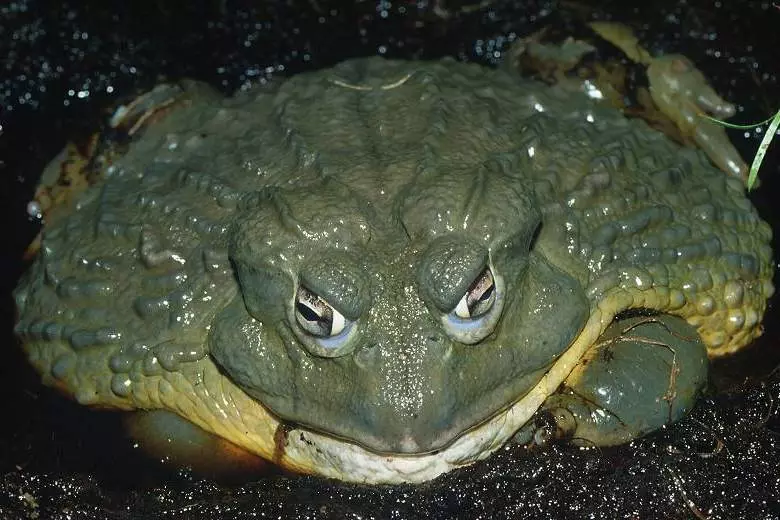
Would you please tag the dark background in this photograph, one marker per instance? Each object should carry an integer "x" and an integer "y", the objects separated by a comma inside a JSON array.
[{"x": 63, "y": 66}]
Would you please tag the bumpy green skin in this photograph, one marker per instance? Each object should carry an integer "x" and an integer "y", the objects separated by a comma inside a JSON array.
[{"x": 385, "y": 187}]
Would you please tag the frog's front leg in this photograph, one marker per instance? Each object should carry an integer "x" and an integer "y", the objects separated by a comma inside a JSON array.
[{"x": 643, "y": 373}]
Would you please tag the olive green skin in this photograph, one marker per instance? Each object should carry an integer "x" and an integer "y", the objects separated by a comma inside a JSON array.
[{"x": 386, "y": 188}]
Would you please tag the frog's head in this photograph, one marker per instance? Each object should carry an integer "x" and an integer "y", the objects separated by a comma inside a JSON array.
[{"x": 398, "y": 323}]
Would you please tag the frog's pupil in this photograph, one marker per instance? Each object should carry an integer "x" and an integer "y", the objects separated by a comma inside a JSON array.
[
  {"x": 307, "y": 312},
  {"x": 478, "y": 305},
  {"x": 487, "y": 293}
]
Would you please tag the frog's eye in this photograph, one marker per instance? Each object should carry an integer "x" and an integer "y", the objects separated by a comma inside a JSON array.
[
  {"x": 316, "y": 316},
  {"x": 478, "y": 311},
  {"x": 479, "y": 298}
]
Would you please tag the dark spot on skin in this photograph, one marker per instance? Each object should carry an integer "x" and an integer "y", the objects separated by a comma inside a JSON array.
[
  {"x": 606, "y": 355},
  {"x": 304, "y": 439},
  {"x": 280, "y": 441}
]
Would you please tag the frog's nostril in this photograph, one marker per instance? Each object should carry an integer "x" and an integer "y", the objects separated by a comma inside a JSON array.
[{"x": 365, "y": 355}]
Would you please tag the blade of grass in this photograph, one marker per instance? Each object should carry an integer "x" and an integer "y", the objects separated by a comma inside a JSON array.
[
  {"x": 737, "y": 127},
  {"x": 762, "y": 148}
]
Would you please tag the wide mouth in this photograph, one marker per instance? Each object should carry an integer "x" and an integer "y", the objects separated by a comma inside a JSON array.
[{"x": 412, "y": 439}]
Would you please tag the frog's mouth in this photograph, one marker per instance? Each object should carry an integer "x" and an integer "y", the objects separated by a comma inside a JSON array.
[
  {"x": 383, "y": 431},
  {"x": 405, "y": 440}
]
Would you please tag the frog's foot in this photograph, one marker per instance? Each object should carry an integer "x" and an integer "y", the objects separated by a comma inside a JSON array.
[
  {"x": 682, "y": 93},
  {"x": 643, "y": 373}
]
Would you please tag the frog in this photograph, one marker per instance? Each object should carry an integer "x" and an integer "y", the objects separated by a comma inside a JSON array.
[{"x": 386, "y": 270}]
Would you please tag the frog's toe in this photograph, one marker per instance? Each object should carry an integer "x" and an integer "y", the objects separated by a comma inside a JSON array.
[{"x": 643, "y": 373}]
